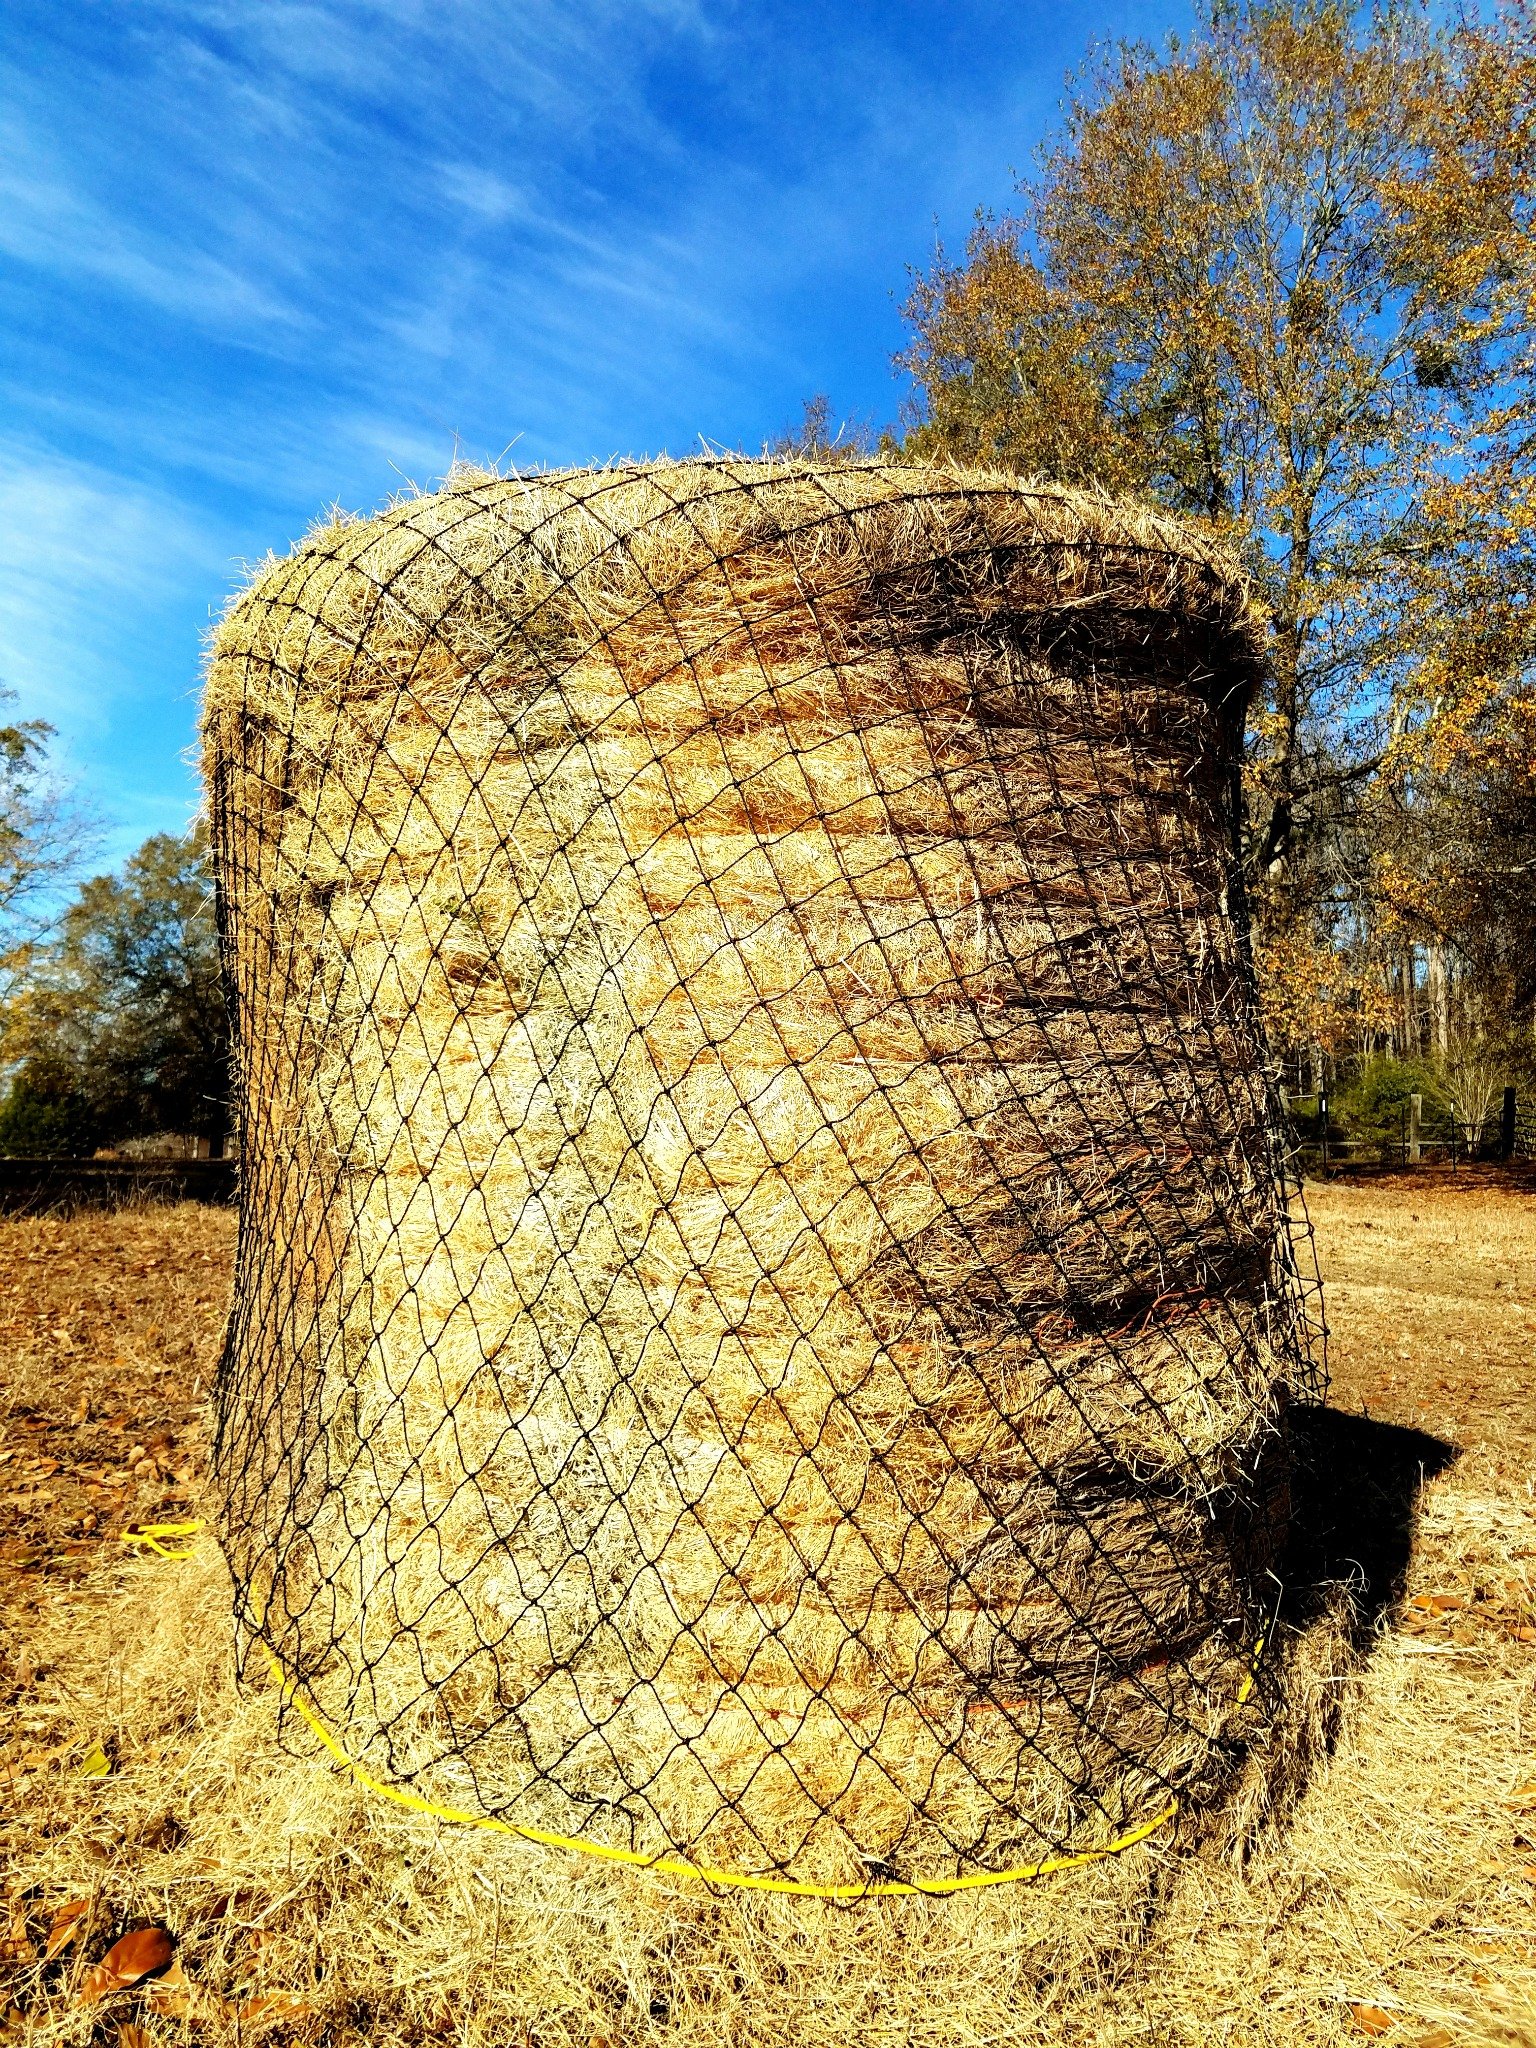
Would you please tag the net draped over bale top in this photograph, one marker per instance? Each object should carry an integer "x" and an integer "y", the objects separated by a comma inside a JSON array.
[{"x": 766, "y": 1295}]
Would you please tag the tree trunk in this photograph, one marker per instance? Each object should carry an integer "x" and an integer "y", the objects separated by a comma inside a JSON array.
[
  {"x": 1410, "y": 1019},
  {"x": 1438, "y": 989},
  {"x": 1272, "y": 854}
]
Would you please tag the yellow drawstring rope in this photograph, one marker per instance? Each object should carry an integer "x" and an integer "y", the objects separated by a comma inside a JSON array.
[{"x": 151, "y": 1537}]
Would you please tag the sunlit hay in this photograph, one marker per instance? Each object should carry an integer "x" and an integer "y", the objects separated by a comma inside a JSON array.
[
  {"x": 765, "y": 1305},
  {"x": 1394, "y": 1885},
  {"x": 287, "y": 1882}
]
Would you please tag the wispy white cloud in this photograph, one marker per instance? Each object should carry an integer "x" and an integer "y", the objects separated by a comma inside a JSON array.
[
  {"x": 46, "y": 220},
  {"x": 79, "y": 548},
  {"x": 482, "y": 193},
  {"x": 259, "y": 258},
  {"x": 95, "y": 635}
]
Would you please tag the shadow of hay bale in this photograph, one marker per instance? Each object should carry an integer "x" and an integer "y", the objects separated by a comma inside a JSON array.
[
  {"x": 1357, "y": 1488},
  {"x": 1355, "y": 1492}
]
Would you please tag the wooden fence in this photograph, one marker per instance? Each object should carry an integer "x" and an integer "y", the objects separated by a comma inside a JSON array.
[
  {"x": 61, "y": 1186},
  {"x": 1417, "y": 1140}
]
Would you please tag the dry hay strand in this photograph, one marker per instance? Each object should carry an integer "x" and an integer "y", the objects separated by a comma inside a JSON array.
[
  {"x": 1394, "y": 1889},
  {"x": 765, "y": 1302}
]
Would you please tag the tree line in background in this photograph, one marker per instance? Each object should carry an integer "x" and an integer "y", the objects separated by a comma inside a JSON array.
[
  {"x": 1280, "y": 277},
  {"x": 112, "y": 1019}
]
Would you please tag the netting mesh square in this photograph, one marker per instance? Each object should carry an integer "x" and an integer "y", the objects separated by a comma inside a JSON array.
[{"x": 767, "y": 1286}]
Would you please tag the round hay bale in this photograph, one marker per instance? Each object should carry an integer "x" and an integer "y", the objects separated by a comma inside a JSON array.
[{"x": 765, "y": 1302}]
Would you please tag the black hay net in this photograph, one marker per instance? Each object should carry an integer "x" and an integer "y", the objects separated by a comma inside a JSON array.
[{"x": 768, "y": 1279}]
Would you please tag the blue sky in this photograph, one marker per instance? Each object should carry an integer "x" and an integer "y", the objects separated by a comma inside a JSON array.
[{"x": 261, "y": 256}]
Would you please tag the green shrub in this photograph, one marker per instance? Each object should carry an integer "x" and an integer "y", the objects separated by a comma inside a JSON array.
[
  {"x": 44, "y": 1115},
  {"x": 1375, "y": 1102}
]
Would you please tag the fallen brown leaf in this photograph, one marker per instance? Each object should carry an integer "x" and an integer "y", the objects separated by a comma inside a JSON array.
[
  {"x": 172, "y": 1993},
  {"x": 269, "y": 2007},
  {"x": 127, "y": 1962},
  {"x": 227, "y": 1905},
  {"x": 65, "y": 1926},
  {"x": 1370, "y": 2019}
]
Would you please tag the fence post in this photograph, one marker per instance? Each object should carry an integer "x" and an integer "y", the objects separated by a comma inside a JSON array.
[
  {"x": 1322, "y": 1125},
  {"x": 1415, "y": 1121},
  {"x": 1507, "y": 1125}
]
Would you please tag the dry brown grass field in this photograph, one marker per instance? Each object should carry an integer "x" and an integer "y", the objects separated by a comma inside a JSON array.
[{"x": 139, "y": 1790}]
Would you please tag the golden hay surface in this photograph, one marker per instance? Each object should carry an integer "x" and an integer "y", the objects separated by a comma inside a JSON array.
[
  {"x": 1399, "y": 1904},
  {"x": 764, "y": 1319}
]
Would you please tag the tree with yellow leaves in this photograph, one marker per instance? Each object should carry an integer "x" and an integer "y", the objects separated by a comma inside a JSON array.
[
  {"x": 1238, "y": 282},
  {"x": 1456, "y": 802}
]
